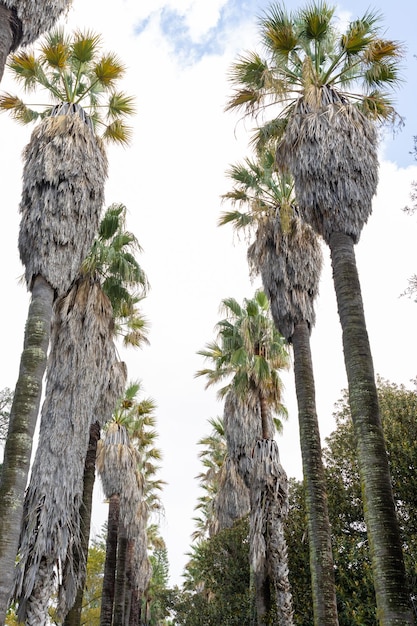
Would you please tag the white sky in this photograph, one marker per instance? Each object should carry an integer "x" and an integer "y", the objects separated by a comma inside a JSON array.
[{"x": 171, "y": 179}]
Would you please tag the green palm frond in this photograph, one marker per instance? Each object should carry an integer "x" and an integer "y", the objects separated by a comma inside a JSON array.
[
  {"x": 73, "y": 69},
  {"x": 304, "y": 51},
  {"x": 120, "y": 104},
  {"x": 118, "y": 132}
]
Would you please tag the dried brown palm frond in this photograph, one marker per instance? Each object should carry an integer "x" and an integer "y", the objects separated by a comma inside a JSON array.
[
  {"x": 269, "y": 505},
  {"x": 63, "y": 191},
  {"x": 81, "y": 349},
  {"x": 331, "y": 151},
  {"x": 232, "y": 499},
  {"x": 290, "y": 265},
  {"x": 36, "y": 18}
]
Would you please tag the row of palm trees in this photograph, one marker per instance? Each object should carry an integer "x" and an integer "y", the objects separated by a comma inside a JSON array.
[
  {"x": 317, "y": 97},
  {"x": 86, "y": 287}
]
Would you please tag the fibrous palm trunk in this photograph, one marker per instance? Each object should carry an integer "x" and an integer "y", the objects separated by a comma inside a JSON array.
[
  {"x": 393, "y": 603},
  {"x": 268, "y": 551},
  {"x": 319, "y": 535},
  {"x": 73, "y": 617},
  {"x": 82, "y": 360},
  {"x": 23, "y": 415}
]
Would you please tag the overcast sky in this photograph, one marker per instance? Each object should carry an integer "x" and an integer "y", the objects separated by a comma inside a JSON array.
[{"x": 171, "y": 178}]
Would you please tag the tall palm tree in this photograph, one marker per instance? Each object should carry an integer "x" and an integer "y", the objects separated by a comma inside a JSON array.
[
  {"x": 112, "y": 260},
  {"x": 287, "y": 254},
  {"x": 328, "y": 91},
  {"x": 63, "y": 189},
  {"x": 249, "y": 352},
  {"x": 23, "y": 21}
]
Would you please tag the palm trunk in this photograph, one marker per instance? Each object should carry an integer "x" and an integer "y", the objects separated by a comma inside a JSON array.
[
  {"x": 73, "y": 617},
  {"x": 268, "y": 551},
  {"x": 23, "y": 417},
  {"x": 120, "y": 586},
  {"x": 107, "y": 598},
  {"x": 321, "y": 558},
  {"x": 393, "y": 603}
]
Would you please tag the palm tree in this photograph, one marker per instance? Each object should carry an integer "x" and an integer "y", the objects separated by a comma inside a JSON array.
[
  {"x": 63, "y": 189},
  {"x": 327, "y": 89},
  {"x": 23, "y": 21},
  {"x": 287, "y": 254},
  {"x": 226, "y": 497},
  {"x": 131, "y": 571},
  {"x": 112, "y": 260},
  {"x": 117, "y": 466},
  {"x": 249, "y": 352}
]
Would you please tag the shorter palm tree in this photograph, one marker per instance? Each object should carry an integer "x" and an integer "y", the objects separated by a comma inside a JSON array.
[{"x": 249, "y": 353}]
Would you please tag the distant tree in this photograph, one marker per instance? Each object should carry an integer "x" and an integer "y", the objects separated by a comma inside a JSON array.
[{"x": 217, "y": 581}]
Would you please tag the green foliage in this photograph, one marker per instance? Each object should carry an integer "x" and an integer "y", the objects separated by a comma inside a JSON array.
[
  {"x": 217, "y": 587},
  {"x": 72, "y": 69},
  {"x": 159, "y": 599},
  {"x": 249, "y": 352},
  {"x": 354, "y": 585},
  {"x": 112, "y": 259},
  {"x": 306, "y": 53}
]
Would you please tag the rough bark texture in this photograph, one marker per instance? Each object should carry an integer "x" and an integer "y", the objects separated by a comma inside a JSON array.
[
  {"x": 65, "y": 169},
  {"x": 73, "y": 617},
  {"x": 81, "y": 358},
  {"x": 23, "y": 417},
  {"x": 109, "y": 578},
  {"x": 268, "y": 550},
  {"x": 10, "y": 34},
  {"x": 321, "y": 558},
  {"x": 37, "y": 18},
  {"x": 393, "y": 603}
]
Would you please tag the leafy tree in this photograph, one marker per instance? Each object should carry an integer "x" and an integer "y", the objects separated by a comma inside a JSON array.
[
  {"x": 354, "y": 577},
  {"x": 329, "y": 91},
  {"x": 217, "y": 581}
]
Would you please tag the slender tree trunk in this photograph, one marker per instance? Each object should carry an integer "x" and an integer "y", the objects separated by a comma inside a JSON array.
[
  {"x": 120, "y": 588},
  {"x": 107, "y": 598},
  {"x": 23, "y": 417},
  {"x": 319, "y": 535},
  {"x": 392, "y": 598},
  {"x": 73, "y": 617}
]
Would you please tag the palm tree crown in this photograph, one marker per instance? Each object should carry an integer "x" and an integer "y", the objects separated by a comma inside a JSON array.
[
  {"x": 250, "y": 351},
  {"x": 307, "y": 57},
  {"x": 74, "y": 72}
]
